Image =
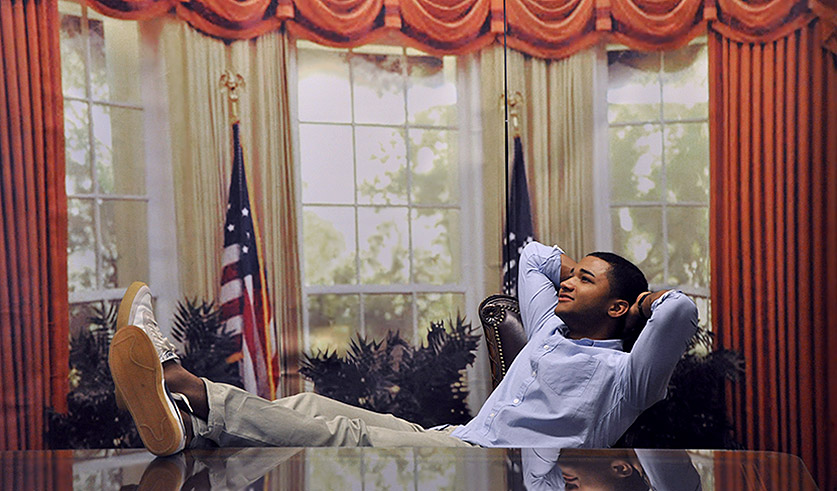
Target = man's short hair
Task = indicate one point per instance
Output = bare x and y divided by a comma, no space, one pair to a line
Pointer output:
626,283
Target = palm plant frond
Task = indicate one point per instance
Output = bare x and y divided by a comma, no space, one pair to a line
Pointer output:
424,384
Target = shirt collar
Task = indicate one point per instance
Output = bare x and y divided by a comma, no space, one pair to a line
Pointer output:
599,343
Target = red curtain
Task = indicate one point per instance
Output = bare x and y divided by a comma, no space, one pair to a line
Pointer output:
542,28
773,123
33,252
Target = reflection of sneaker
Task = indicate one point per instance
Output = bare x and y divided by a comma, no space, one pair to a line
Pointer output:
164,473
138,376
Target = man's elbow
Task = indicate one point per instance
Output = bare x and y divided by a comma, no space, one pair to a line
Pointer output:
684,314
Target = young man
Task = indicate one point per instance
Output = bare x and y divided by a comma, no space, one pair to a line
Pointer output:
571,386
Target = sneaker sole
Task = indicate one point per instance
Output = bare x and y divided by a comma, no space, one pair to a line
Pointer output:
123,315
162,474
138,376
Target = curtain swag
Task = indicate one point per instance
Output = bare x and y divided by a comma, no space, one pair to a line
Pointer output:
542,28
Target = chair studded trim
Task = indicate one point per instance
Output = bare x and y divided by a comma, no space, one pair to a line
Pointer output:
504,334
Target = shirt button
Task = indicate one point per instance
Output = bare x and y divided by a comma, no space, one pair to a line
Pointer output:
534,373
516,400
491,415
546,346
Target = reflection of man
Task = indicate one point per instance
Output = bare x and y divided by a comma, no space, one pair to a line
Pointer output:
570,386
616,470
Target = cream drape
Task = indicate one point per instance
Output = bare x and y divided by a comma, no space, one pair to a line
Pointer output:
556,124
559,99
202,158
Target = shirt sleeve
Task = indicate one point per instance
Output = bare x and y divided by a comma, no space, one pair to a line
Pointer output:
540,469
673,322
538,274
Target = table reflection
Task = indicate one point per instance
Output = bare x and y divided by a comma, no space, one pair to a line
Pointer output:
405,468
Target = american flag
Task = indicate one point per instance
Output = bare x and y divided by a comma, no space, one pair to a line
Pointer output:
244,302
519,224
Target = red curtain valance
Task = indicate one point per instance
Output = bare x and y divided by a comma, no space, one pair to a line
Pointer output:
543,28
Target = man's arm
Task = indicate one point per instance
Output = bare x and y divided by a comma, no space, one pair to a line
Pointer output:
672,321
540,272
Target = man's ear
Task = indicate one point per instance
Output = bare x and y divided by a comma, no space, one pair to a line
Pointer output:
621,468
618,308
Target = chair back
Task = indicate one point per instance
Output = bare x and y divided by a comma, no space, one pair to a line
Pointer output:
504,333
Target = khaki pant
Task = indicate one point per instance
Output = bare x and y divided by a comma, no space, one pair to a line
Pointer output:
238,418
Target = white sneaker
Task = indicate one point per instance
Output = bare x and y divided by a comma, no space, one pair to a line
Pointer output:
138,376
136,310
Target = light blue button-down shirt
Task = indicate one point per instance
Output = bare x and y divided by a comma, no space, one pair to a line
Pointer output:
566,393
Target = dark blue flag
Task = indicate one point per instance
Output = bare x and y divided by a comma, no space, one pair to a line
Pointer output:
519,222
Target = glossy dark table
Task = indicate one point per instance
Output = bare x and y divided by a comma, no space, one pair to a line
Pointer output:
404,468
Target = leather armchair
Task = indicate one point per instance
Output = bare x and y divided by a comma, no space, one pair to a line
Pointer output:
504,333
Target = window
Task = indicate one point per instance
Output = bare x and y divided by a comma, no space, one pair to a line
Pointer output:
381,194
114,214
658,133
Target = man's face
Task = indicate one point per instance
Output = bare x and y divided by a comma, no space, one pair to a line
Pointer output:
599,475
585,295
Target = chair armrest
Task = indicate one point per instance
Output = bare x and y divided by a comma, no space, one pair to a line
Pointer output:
504,333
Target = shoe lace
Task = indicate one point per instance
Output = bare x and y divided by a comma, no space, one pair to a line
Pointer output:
156,335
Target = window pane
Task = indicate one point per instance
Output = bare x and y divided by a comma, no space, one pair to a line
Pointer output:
98,64
124,249
93,315
80,314
383,313
120,162
633,92
436,246
435,173
327,168
378,88
688,246
382,238
329,245
381,166
636,163
685,83
438,307
73,72
324,90
333,468
435,471
687,162
81,245
638,235
79,178
431,90
333,320
391,468
704,307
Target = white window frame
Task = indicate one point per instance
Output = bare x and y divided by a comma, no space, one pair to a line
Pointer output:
601,171
471,221
159,188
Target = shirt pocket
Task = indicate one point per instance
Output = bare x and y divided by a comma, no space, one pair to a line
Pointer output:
569,376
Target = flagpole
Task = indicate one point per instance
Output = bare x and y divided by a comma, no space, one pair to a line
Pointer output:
507,245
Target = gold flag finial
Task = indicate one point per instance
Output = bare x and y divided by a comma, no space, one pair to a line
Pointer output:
232,82
515,101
